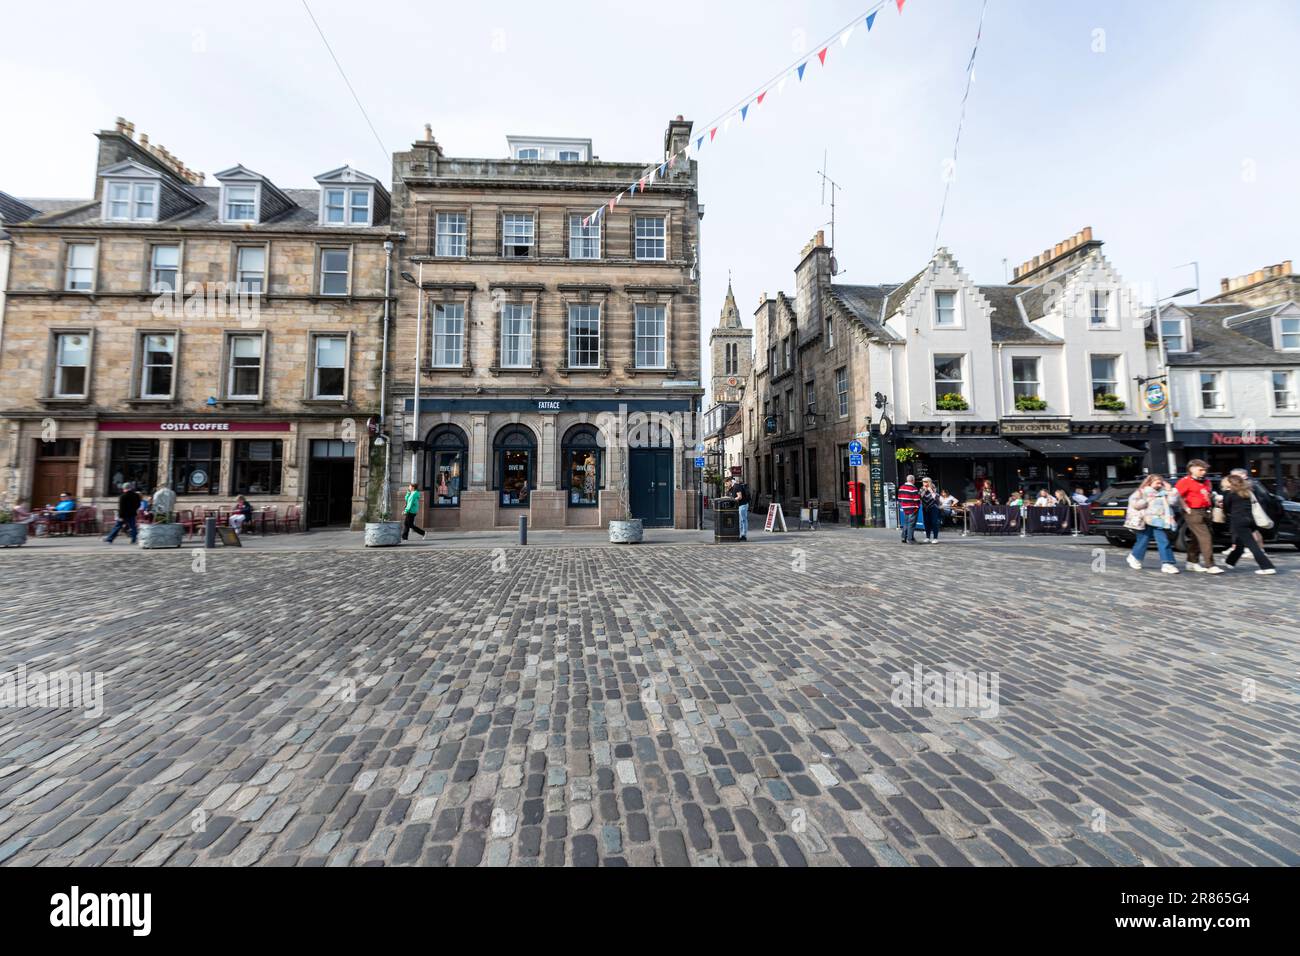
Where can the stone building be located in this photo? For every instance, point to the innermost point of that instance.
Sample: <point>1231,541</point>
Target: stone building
<point>220,340</point>
<point>731,354</point>
<point>542,341</point>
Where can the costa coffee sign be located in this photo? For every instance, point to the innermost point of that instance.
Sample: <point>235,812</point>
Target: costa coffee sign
<point>193,426</point>
<point>1218,438</point>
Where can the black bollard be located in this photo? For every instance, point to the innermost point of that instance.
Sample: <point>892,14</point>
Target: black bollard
<point>209,532</point>
<point>523,529</point>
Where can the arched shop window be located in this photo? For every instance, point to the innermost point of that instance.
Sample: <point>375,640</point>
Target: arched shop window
<point>515,452</point>
<point>446,449</point>
<point>581,461</point>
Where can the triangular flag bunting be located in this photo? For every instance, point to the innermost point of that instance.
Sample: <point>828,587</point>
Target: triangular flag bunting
<point>900,5</point>
<point>871,18</point>
<point>844,37</point>
<point>744,110</point>
<point>780,87</point>
<point>586,221</point>
<point>760,97</point>
<point>643,184</point>
<point>662,170</point>
<point>612,203</point>
<point>672,161</point>
<point>821,55</point>
<point>802,67</point>
<point>712,133</point>
<point>699,144</point>
<point>631,190</point>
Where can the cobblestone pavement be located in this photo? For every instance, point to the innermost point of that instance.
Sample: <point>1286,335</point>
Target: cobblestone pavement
<point>675,705</point>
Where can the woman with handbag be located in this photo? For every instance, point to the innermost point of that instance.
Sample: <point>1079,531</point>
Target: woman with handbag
<point>1151,513</point>
<point>1239,506</point>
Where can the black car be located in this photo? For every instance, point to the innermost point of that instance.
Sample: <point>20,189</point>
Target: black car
<point>1107,517</point>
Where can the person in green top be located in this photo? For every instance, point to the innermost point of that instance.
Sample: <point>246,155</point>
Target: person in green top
<point>412,509</point>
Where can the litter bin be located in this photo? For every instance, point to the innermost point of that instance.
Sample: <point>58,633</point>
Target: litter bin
<point>726,520</point>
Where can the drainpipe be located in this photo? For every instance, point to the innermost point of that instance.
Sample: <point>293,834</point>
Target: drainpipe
<point>419,337</point>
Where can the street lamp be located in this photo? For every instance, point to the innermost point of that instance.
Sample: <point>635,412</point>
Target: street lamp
<point>1170,458</point>
<point>419,335</point>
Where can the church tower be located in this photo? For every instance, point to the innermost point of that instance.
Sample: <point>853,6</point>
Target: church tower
<point>731,353</point>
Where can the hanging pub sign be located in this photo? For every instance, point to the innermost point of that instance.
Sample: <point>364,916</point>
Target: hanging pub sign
<point>1155,395</point>
<point>769,424</point>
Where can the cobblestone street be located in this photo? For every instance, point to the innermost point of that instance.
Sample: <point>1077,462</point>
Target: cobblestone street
<point>667,705</point>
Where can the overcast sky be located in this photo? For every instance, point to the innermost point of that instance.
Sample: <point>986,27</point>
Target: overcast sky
<point>1166,125</point>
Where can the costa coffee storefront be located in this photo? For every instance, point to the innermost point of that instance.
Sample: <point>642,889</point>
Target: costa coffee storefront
<point>307,464</point>
<point>1271,456</point>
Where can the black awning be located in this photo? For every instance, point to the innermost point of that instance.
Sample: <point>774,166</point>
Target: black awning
<point>967,447</point>
<point>1082,447</point>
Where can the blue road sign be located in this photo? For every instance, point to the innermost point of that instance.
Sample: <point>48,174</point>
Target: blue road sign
<point>855,461</point>
<point>699,462</point>
<point>855,448</point>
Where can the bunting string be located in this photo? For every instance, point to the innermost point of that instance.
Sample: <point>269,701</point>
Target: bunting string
<point>952,171</point>
<point>740,110</point>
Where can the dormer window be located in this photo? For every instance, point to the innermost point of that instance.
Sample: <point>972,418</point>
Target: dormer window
<point>239,204</point>
<point>570,156</point>
<point>529,152</point>
<point>1174,334</point>
<point>131,202</point>
<point>1289,334</point>
<point>346,207</point>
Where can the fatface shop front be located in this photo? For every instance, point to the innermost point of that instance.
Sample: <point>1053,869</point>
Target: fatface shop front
<point>1273,457</point>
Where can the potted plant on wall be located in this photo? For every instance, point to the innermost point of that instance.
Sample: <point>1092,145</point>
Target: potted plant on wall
<point>163,531</point>
<point>905,456</point>
<point>13,534</point>
<point>951,402</point>
<point>1108,403</point>
<point>1030,403</point>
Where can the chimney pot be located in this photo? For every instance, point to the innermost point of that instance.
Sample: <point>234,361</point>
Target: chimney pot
<point>1223,285</point>
<point>144,139</point>
<point>119,124</point>
<point>129,128</point>
<point>1286,267</point>
<point>428,132</point>
<point>1087,233</point>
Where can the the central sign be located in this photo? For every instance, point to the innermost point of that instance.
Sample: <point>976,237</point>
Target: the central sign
<point>1040,426</point>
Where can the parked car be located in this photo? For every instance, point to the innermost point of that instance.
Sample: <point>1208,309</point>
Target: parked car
<point>1107,517</point>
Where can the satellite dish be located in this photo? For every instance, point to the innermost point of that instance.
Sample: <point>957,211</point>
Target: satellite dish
<point>835,266</point>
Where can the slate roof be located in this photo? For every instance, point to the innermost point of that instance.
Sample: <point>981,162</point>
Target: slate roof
<point>1228,334</point>
<point>1008,324</point>
<point>13,209</point>
<point>898,295</point>
<point>304,215</point>
<point>864,302</point>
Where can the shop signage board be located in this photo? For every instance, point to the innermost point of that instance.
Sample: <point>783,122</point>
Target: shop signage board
<point>194,426</point>
<point>1155,395</point>
<point>775,516</point>
<point>1014,426</point>
<point>877,483</point>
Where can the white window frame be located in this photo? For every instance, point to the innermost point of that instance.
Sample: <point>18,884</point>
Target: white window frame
<point>256,202</point>
<point>522,151</point>
<point>1118,381</point>
<point>654,237</point>
<point>441,234</point>
<point>231,339</point>
<point>69,270</point>
<point>517,334</point>
<point>346,271</point>
<point>643,332</point>
<point>55,386</point>
<point>1289,388</point>
<point>146,366</point>
<point>1105,310</point>
<point>1219,381</point>
<point>570,155</point>
<point>136,192</point>
<point>240,271</point>
<point>515,218</point>
<point>154,268</point>
<point>347,206</point>
<point>316,340</point>
<point>572,349</point>
<point>581,236</point>
<point>830,332</point>
<point>842,391</point>
<point>955,310</point>
<point>1283,334</point>
<point>1180,335</point>
<point>1036,381</point>
<point>963,382</point>
<point>448,331</point>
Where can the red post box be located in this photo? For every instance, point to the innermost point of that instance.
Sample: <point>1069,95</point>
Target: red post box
<point>857,503</point>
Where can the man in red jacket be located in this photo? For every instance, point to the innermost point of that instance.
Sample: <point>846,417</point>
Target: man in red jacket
<point>909,500</point>
<point>1197,495</point>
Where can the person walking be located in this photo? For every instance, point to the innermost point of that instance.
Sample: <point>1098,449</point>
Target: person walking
<point>412,510</point>
<point>1245,476</point>
<point>128,507</point>
<point>931,512</point>
<point>1238,502</point>
<point>1197,495</point>
<point>909,503</point>
<point>740,492</point>
<point>1152,512</point>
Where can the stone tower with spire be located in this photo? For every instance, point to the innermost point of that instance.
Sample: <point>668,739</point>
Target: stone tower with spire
<point>731,353</point>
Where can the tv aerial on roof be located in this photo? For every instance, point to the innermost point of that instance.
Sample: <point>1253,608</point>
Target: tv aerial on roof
<point>835,266</point>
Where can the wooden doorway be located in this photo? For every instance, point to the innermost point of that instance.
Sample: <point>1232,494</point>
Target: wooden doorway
<point>58,466</point>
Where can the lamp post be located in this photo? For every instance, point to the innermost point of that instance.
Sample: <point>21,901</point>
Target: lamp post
<point>1170,458</point>
<point>419,336</point>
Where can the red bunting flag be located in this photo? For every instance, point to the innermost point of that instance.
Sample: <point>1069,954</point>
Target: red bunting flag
<point>712,133</point>
<point>760,97</point>
<point>822,55</point>
<point>643,184</point>
<point>900,5</point>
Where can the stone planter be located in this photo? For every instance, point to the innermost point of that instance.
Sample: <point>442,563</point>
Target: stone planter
<point>383,534</point>
<point>629,531</point>
<point>161,535</point>
<point>13,534</point>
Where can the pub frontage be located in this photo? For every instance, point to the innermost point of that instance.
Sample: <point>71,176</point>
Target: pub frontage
<point>314,466</point>
<point>1272,456</point>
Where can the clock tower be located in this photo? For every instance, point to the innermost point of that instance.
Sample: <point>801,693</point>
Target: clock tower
<point>731,353</point>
